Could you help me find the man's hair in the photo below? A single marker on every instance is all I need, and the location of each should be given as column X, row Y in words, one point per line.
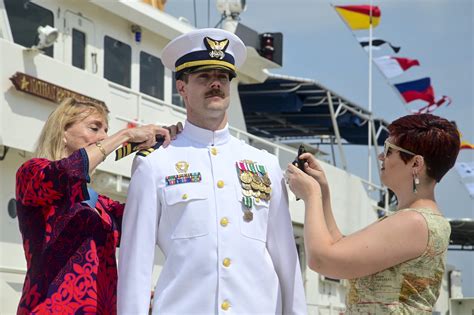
column 50, row 144
column 433, row 137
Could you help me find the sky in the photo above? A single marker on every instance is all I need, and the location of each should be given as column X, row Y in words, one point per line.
column 319, row 46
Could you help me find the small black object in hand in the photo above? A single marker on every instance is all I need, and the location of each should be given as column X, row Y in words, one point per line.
column 300, row 162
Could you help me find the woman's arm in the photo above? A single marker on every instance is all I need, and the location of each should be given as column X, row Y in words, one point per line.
column 381, row 245
column 145, row 135
column 314, row 169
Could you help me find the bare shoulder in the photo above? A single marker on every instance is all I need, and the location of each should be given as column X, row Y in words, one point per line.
column 408, row 226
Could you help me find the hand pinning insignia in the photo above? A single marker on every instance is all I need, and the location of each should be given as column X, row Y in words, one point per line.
column 131, row 147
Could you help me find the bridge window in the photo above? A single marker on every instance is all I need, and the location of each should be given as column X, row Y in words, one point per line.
column 25, row 17
column 152, row 75
column 78, row 49
column 117, row 61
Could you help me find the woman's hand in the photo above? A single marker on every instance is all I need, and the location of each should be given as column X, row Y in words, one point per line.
column 146, row 136
column 314, row 169
column 174, row 130
column 302, row 185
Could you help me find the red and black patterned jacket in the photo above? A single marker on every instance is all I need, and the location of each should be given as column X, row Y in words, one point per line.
column 69, row 247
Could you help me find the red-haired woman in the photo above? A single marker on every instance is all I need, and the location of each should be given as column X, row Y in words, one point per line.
column 396, row 264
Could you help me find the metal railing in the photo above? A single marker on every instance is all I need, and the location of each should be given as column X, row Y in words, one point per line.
column 277, row 149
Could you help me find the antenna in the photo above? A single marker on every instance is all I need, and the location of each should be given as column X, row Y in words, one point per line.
column 230, row 11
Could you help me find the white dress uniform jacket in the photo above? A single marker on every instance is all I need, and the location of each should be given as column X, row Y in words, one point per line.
column 215, row 261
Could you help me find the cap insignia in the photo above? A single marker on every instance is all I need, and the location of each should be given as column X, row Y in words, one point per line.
column 216, row 48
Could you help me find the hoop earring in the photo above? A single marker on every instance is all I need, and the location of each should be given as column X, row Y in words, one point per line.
column 416, row 182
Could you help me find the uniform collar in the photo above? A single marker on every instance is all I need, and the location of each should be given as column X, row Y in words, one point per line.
column 205, row 136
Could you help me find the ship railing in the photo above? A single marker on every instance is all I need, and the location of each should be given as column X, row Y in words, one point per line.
column 285, row 154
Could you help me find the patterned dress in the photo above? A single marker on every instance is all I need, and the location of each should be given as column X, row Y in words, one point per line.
column 69, row 247
column 411, row 287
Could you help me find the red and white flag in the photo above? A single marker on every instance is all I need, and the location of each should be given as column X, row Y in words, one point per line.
column 394, row 66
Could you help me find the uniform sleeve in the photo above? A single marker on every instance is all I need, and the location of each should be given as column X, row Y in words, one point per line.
column 282, row 247
column 41, row 182
column 137, row 249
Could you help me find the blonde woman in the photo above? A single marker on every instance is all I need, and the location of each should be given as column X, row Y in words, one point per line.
column 395, row 265
column 69, row 232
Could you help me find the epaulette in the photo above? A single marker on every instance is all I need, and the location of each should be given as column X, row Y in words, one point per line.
column 131, row 147
column 145, row 152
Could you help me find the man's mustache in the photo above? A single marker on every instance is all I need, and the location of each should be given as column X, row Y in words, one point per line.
column 212, row 93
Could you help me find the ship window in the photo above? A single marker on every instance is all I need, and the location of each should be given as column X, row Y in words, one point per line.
column 117, row 61
column 25, row 17
column 78, row 49
column 152, row 75
column 176, row 98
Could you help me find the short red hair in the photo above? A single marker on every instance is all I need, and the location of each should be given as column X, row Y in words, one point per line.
column 433, row 137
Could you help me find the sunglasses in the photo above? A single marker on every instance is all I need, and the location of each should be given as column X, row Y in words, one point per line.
column 387, row 146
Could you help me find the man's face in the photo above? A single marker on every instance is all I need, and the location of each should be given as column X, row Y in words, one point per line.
column 206, row 94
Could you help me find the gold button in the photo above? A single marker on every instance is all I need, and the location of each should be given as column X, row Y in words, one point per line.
column 225, row 305
column 224, row 221
column 220, row 183
column 184, row 196
column 226, row 262
column 214, row 151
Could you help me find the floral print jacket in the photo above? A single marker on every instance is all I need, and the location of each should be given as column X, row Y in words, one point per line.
column 69, row 247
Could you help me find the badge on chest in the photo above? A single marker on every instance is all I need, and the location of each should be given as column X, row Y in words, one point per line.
column 182, row 176
column 256, row 185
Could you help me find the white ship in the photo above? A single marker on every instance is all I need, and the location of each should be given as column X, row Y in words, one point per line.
column 110, row 51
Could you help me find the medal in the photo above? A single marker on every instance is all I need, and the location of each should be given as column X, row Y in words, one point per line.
column 246, row 193
column 246, row 186
column 246, row 177
column 266, row 180
column 256, row 179
column 248, row 215
column 255, row 184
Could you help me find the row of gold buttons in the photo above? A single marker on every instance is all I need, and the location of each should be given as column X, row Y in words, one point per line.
column 224, row 222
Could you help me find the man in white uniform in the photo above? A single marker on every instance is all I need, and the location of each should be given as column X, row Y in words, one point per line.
column 216, row 207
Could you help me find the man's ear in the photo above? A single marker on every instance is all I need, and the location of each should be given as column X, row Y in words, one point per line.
column 181, row 87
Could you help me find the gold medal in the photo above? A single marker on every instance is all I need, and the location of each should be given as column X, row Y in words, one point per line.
column 246, row 186
column 256, row 179
column 254, row 185
column 246, row 177
column 256, row 194
column 247, row 193
column 268, row 190
column 266, row 180
column 248, row 215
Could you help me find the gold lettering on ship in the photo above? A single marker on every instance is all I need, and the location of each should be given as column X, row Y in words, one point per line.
column 46, row 90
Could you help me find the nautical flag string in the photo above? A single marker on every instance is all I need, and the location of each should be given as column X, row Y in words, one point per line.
column 358, row 17
column 394, row 66
column 376, row 43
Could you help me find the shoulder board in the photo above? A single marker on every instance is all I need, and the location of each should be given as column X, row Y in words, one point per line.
column 146, row 152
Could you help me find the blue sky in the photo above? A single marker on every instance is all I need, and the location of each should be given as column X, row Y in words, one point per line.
column 319, row 46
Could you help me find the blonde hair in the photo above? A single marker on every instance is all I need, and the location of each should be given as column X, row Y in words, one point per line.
column 71, row 110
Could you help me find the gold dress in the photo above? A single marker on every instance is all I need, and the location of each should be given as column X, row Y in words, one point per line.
column 411, row 287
